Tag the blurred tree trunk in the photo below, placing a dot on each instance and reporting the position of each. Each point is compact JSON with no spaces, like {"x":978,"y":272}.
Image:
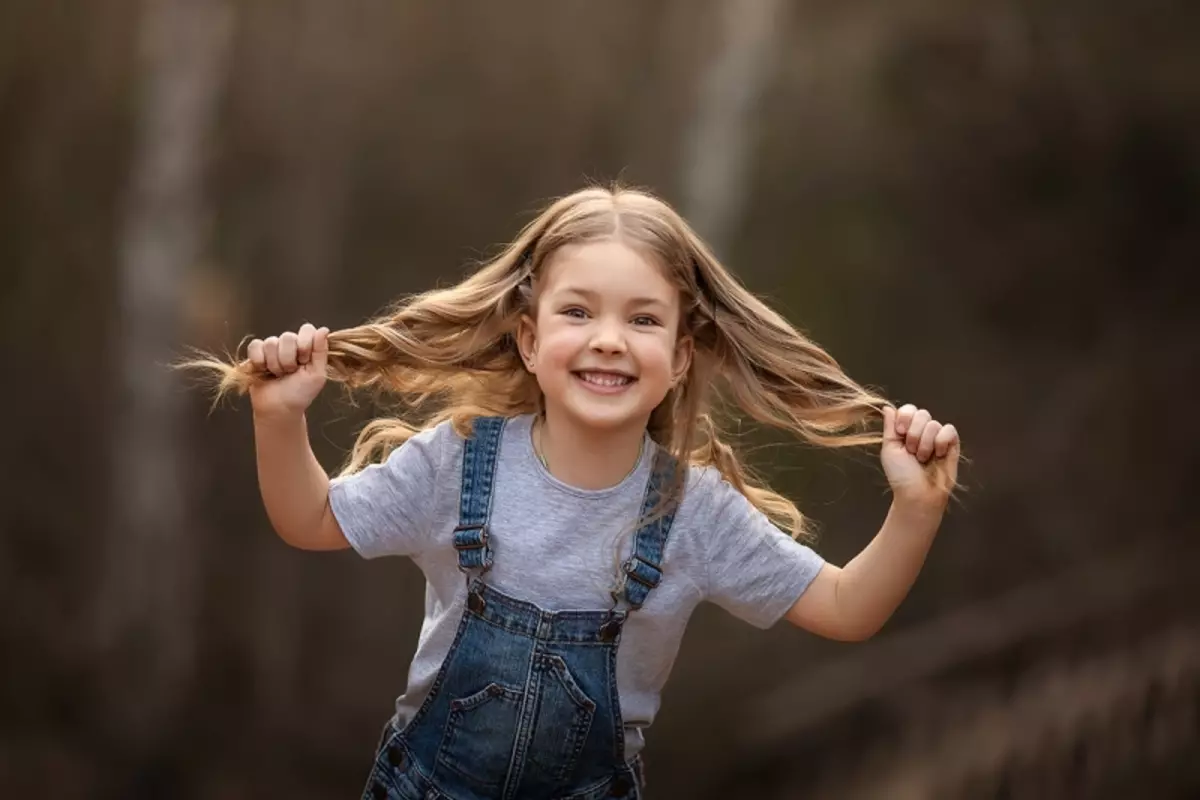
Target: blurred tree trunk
{"x":721,"y":138}
{"x":295,"y":228}
{"x":148,"y":589}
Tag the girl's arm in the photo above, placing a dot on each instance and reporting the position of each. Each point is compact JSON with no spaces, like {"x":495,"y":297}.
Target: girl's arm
{"x":852,"y":603}
{"x":920,"y":459}
{"x":294,"y":486}
{"x":295,"y":489}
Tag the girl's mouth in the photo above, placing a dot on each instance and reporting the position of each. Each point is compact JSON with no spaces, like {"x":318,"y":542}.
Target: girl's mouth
{"x":604,"y":382}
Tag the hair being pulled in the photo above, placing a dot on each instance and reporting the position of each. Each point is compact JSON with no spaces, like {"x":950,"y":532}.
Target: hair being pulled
{"x":451,"y":354}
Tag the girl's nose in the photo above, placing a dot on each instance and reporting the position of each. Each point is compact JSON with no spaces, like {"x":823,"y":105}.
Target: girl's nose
{"x":608,"y":337}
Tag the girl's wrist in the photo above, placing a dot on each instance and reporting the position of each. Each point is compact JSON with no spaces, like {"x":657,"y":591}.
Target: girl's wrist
{"x":277,"y":417}
{"x":925,"y":507}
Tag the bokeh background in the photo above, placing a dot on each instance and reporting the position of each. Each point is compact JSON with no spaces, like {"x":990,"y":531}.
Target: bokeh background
{"x":987,"y":207}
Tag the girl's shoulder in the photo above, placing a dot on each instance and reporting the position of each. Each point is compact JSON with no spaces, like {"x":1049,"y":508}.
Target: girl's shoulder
{"x":708,"y":492}
{"x":451,"y":432}
{"x":438,"y":436}
{"x":451,"y":436}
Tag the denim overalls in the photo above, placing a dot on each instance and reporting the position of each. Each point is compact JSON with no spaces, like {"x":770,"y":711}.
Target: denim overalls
{"x":525,"y":704}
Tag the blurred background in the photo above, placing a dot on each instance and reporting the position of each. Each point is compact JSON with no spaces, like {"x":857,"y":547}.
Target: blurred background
{"x":987,"y":207}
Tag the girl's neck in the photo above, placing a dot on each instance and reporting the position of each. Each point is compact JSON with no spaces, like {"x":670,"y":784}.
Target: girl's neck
{"x":583,"y":457}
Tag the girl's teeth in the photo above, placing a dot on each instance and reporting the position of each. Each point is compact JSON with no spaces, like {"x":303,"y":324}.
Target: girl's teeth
{"x":605,"y":380}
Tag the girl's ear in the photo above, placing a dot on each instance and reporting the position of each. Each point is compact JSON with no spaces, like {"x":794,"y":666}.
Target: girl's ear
{"x":527,"y":341}
{"x":683,"y":359}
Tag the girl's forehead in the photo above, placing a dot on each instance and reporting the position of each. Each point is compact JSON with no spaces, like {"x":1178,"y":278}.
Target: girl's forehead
{"x":606,"y":266}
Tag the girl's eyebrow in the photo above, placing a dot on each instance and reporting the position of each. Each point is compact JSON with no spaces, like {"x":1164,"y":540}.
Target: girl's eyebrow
{"x":588,"y":294}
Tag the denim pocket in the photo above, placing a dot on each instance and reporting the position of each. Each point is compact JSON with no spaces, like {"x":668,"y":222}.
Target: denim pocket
{"x":564,"y":717}
{"x":477,"y":742}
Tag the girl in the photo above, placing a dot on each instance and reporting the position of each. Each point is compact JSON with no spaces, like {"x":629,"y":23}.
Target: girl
{"x":570,"y":496}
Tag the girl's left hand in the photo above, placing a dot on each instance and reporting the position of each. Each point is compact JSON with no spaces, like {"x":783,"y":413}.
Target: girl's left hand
{"x":919,"y":455}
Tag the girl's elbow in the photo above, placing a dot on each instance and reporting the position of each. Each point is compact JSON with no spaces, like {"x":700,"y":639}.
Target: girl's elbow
{"x":860,"y":633}
{"x":848,"y":633}
{"x":325,"y":535}
{"x":835,"y":629}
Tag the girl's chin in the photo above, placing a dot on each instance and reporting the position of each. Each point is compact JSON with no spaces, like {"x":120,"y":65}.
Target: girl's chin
{"x":597,"y":413}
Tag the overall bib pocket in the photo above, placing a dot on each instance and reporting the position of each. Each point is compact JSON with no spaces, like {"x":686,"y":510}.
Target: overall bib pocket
{"x":564,"y":717}
{"x":477,"y":743}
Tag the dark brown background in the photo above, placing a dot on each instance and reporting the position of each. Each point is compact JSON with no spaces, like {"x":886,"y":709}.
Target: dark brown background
{"x":988,"y":207}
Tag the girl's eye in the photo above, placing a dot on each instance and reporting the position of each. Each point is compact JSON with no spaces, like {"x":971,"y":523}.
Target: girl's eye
{"x":577,"y":313}
{"x":645,"y":320}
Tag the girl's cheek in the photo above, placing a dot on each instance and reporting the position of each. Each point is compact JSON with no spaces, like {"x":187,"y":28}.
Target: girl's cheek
{"x":558,"y":350}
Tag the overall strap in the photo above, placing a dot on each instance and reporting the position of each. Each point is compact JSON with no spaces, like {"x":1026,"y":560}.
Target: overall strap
{"x":475,"y":500}
{"x":643,"y":570}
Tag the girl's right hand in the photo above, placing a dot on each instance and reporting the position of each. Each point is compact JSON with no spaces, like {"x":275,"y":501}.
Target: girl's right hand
{"x":294,"y":365}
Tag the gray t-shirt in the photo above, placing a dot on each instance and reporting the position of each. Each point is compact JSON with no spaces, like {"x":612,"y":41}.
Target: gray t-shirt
{"x":555,"y":546}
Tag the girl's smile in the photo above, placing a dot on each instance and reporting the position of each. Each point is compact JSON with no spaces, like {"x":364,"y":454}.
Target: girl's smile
{"x":602,"y":382}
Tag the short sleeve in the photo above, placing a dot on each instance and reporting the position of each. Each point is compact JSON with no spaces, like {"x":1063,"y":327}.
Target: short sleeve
{"x":388,"y":509}
{"x":755,"y":571}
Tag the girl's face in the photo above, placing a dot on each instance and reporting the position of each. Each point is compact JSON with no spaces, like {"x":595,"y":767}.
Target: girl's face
{"x":605,"y":344}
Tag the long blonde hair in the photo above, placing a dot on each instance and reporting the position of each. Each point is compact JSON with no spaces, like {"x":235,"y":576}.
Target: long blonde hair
{"x":451,"y":354}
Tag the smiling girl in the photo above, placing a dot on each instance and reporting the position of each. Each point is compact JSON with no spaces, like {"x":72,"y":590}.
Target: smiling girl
{"x":571,"y":498}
